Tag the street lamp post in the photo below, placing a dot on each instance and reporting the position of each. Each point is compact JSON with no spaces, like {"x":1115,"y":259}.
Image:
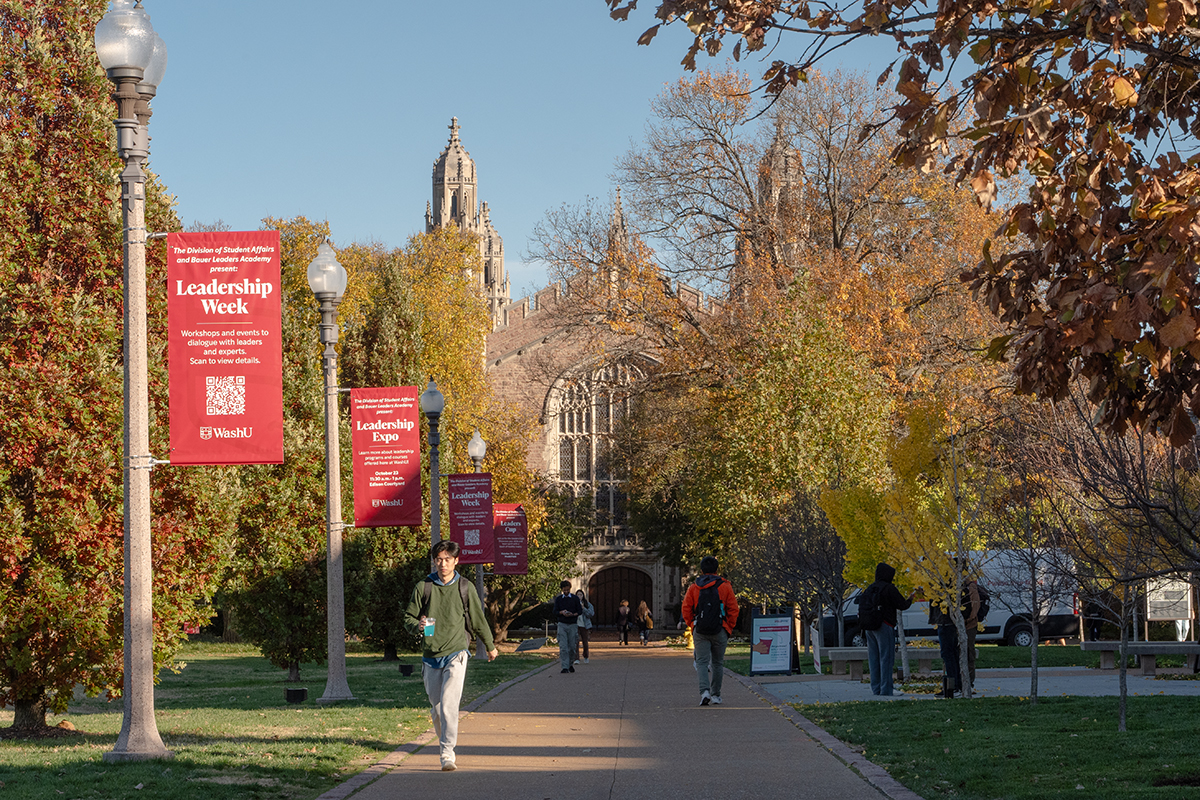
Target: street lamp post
{"x":135,"y":59}
{"x":432,"y":403}
{"x":327,"y":279}
{"x":477,"y":449}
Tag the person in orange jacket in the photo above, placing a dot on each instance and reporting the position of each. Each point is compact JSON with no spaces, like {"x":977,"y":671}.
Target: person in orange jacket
{"x":710,"y":609}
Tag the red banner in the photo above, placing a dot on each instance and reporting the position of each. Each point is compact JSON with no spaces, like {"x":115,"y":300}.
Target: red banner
{"x":471,"y":522}
{"x":386,"y":440}
{"x":224,"y":351}
{"x":512,"y":539}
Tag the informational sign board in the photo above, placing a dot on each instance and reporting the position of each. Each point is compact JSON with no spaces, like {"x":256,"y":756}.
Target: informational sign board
{"x":1168,"y":599}
{"x":386,"y":440}
{"x":771,"y":643}
{"x":471,"y":522}
{"x":224,"y":350}
{"x":512,"y":539}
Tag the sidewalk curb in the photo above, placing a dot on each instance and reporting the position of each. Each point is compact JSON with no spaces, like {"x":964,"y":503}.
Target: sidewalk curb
{"x":397,"y":756}
{"x":874,"y":774}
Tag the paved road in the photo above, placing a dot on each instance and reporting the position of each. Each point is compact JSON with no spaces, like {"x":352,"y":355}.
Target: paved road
{"x":628,"y":725}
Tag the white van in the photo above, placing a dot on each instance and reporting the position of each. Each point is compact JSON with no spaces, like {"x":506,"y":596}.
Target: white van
{"x":1006,"y":576}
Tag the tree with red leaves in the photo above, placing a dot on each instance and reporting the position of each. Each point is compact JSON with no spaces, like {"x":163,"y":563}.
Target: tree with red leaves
{"x":61,"y":595}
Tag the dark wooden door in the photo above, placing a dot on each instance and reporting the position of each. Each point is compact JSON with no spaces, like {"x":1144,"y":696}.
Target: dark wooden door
{"x":611,"y":585}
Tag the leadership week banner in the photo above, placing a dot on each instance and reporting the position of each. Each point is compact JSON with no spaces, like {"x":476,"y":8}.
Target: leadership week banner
{"x":224,"y":352}
{"x":471,"y":523}
{"x":386,"y":440}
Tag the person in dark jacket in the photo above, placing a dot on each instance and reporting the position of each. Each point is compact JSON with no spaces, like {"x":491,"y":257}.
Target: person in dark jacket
{"x":881,"y":642}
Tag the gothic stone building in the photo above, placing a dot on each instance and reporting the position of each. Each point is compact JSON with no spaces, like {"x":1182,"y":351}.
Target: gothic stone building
{"x":534,"y":361}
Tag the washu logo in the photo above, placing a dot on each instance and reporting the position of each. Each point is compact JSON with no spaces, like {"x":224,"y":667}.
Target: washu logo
{"x":229,"y":433}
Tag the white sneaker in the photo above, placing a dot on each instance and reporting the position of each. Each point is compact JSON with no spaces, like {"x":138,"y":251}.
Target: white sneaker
{"x":705,"y":698}
{"x":585,"y":661}
{"x":576,"y":661}
{"x":716,"y":700}
{"x":449,"y":766}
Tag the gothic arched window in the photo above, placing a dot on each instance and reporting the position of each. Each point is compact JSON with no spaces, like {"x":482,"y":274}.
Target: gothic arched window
{"x":588,"y":413}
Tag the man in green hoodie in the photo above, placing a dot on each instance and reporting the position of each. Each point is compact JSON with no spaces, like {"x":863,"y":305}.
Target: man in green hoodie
{"x":442,"y":609}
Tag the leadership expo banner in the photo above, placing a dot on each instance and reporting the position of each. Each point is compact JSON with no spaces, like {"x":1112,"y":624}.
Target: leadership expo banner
{"x":471,"y":524}
{"x":386,"y":441}
{"x":224,"y":351}
{"x":512,"y":539}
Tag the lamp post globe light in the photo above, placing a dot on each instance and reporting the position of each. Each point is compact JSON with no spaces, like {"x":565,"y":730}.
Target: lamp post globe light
{"x":477,"y":449}
{"x":433,"y":403}
{"x":135,"y":59}
{"x":327,"y":279}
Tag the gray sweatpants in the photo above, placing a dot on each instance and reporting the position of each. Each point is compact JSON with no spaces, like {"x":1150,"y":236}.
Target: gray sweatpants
{"x":710,"y":651}
{"x":444,"y":687}
{"x":568,"y":643}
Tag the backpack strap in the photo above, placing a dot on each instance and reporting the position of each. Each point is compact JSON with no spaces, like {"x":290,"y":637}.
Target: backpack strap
{"x":427,"y":592}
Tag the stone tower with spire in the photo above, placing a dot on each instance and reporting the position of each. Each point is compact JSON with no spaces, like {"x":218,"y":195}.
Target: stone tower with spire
{"x":456,"y":202}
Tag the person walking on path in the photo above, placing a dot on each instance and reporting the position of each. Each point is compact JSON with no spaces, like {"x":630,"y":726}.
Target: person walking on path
{"x":710,"y":609}
{"x":585,"y":625}
{"x":623,"y":622}
{"x":567,"y":611}
{"x":644,"y":622}
{"x":877,"y":607}
{"x":442,"y":610}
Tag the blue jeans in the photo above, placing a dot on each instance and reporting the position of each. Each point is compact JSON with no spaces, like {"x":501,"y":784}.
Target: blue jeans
{"x":881,"y":658}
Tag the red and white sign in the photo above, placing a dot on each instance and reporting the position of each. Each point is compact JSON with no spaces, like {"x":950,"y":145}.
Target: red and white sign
{"x":386,"y":439}
{"x":471,"y":522}
{"x":224,"y":350}
{"x":512,"y":539}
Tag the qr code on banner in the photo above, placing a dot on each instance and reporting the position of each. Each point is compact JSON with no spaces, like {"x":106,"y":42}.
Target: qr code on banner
{"x":471,"y":538}
{"x":226,"y":395}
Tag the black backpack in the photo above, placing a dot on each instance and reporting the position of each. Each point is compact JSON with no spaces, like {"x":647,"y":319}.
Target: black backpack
{"x":870,"y":608}
{"x":710,"y":611}
{"x":985,"y":604}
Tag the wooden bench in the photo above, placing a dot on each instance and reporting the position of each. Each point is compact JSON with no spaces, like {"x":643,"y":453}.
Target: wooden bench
{"x":846,"y":658}
{"x":1147,"y":651}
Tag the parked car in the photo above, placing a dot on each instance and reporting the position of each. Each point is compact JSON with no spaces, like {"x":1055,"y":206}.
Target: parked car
{"x":1005,"y":574}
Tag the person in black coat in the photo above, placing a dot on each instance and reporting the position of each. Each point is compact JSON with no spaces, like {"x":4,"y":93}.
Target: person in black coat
{"x":877,"y":607}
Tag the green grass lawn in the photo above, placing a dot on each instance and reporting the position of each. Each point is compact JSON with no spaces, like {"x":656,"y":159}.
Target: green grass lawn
{"x":1005,"y":748}
{"x":223,"y":713}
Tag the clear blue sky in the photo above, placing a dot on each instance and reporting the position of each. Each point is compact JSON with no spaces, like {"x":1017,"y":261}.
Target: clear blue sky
{"x":337,"y":111}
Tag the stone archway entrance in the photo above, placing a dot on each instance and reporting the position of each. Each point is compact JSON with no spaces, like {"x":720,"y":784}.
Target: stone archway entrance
{"x":611,"y":585}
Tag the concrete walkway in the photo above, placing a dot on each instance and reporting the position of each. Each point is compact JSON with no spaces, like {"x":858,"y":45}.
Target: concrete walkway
{"x":628,"y":725}
{"x":1052,"y":682}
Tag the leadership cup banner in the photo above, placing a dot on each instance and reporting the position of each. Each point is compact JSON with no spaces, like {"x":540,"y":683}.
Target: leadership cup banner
{"x":471,"y":523}
{"x":512,"y":539}
{"x":386,"y":440}
{"x":224,"y":351}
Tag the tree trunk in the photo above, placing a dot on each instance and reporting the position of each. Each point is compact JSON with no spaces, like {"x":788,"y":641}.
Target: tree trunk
{"x":389,"y":652}
{"x":229,"y":632}
{"x":30,"y":713}
{"x":293,"y":672}
{"x":1122,"y":676}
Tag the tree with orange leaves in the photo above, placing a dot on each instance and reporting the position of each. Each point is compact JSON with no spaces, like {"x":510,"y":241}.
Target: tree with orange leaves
{"x":1095,"y":107}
